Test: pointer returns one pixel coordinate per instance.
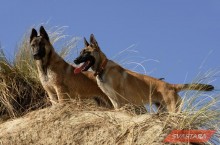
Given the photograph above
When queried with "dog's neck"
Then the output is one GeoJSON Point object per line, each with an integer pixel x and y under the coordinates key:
{"type": "Point", "coordinates": [43, 64]}
{"type": "Point", "coordinates": [101, 66]}
{"type": "Point", "coordinates": [46, 63]}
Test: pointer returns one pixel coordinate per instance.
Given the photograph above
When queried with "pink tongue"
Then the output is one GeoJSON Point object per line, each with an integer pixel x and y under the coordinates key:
{"type": "Point", "coordinates": [79, 69]}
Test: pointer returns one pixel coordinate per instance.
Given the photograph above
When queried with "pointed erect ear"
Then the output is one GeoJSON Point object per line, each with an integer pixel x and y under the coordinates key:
{"type": "Point", "coordinates": [43, 33]}
{"type": "Point", "coordinates": [93, 41]}
{"type": "Point", "coordinates": [33, 34]}
{"type": "Point", "coordinates": [86, 42]}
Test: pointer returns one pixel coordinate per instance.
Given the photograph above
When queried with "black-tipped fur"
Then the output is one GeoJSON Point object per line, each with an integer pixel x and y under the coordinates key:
{"type": "Point", "coordinates": [43, 33]}
{"type": "Point", "coordinates": [33, 34]}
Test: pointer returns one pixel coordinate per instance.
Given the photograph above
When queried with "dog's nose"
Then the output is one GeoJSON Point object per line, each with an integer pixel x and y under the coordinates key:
{"type": "Point", "coordinates": [76, 61]}
{"type": "Point", "coordinates": [36, 55]}
{"type": "Point", "coordinates": [35, 52]}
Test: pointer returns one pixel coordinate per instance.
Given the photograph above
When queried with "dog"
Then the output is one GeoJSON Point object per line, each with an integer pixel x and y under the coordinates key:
{"type": "Point", "coordinates": [123, 86]}
{"type": "Point", "coordinates": [57, 76]}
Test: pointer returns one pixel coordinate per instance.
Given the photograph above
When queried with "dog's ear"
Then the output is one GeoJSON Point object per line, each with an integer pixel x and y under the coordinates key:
{"type": "Point", "coordinates": [43, 33]}
{"type": "Point", "coordinates": [86, 42]}
{"type": "Point", "coordinates": [93, 41]}
{"type": "Point", "coordinates": [33, 34]}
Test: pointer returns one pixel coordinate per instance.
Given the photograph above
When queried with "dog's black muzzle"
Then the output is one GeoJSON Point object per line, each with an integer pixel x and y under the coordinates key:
{"type": "Point", "coordinates": [79, 60]}
{"type": "Point", "coordinates": [39, 54]}
{"type": "Point", "coordinates": [85, 58]}
{"type": "Point", "coordinates": [82, 58]}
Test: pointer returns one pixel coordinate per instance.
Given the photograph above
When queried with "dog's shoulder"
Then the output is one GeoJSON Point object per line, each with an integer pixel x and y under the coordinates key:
{"type": "Point", "coordinates": [89, 75]}
{"type": "Point", "coordinates": [113, 66]}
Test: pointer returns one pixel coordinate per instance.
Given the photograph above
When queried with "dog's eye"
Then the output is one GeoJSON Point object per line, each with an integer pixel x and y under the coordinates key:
{"type": "Point", "coordinates": [33, 45]}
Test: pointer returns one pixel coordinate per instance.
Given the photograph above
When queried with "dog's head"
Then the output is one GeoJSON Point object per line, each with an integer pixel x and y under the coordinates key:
{"type": "Point", "coordinates": [39, 43]}
{"type": "Point", "coordinates": [90, 55]}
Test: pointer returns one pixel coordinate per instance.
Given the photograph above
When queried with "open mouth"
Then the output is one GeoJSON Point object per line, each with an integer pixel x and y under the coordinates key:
{"type": "Point", "coordinates": [84, 67]}
{"type": "Point", "coordinates": [87, 60]}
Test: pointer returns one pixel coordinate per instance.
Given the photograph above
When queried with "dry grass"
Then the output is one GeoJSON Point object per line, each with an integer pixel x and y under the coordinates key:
{"type": "Point", "coordinates": [19, 93]}
{"type": "Point", "coordinates": [83, 123]}
{"type": "Point", "coordinates": [79, 122]}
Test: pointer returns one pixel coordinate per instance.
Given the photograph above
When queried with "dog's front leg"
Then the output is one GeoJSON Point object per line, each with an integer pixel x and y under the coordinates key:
{"type": "Point", "coordinates": [53, 97]}
{"type": "Point", "coordinates": [115, 103]}
{"type": "Point", "coordinates": [62, 93]}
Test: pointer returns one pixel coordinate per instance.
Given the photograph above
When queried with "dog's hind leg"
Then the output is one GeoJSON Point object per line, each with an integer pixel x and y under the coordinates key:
{"type": "Point", "coordinates": [170, 100]}
{"type": "Point", "coordinates": [173, 101]}
{"type": "Point", "coordinates": [178, 103]}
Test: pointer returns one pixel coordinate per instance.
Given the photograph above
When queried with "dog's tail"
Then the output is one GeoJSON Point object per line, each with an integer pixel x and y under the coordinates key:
{"type": "Point", "coordinates": [194, 86]}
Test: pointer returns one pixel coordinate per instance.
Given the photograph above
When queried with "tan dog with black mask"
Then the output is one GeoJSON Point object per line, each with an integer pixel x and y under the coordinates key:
{"type": "Point", "coordinates": [123, 86]}
{"type": "Point", "coordinates": [57, 76]}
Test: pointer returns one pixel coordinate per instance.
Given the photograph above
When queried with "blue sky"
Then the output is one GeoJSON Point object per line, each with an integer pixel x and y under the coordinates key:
{"type": "Point", "coordinates": [179, 39]}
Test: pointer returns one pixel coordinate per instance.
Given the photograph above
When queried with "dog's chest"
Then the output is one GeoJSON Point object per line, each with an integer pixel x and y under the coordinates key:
{"type": "Point", "coordinates": [49, 79]}
{"type": "Point", "coordinates": [103, 85]}
{"type": "Point", "coordinates": [106, 87]}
